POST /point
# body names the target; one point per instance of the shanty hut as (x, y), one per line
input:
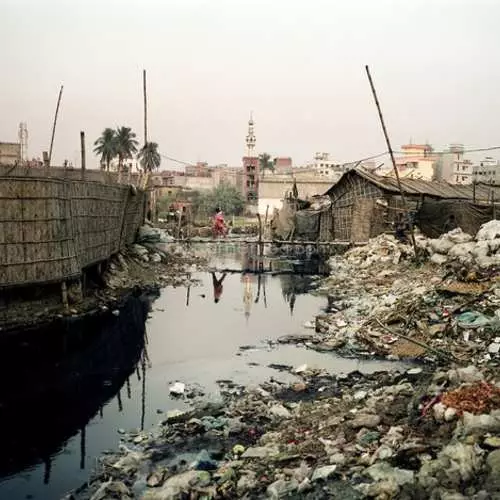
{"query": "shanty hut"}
(307, 220)
(365, 205)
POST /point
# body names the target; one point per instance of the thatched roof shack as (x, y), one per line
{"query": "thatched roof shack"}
(365, 204)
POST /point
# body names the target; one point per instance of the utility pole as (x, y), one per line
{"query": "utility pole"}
(54, 125)
(391, 153)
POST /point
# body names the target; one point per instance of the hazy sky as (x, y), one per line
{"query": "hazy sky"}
(299, 65)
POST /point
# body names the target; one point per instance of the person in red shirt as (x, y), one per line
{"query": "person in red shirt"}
(219, 227)
(217, 284)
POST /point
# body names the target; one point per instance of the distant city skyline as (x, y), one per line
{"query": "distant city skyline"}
(303, 77)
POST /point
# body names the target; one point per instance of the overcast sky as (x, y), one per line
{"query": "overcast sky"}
(298, 64)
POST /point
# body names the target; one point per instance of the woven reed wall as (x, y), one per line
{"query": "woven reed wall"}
(433, 214)
(347, 197)
(50, 229)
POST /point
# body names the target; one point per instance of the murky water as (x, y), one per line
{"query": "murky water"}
(63, 401)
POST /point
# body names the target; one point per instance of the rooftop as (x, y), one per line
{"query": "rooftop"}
(415, 187)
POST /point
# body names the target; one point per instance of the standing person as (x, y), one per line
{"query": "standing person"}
(219, 227)
(401, 226)
(217, 284)
(450, 224)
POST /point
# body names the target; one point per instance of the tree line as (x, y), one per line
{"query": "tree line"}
(121, 144)
(204, 203)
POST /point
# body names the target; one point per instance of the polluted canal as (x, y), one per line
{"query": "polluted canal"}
(68, 397)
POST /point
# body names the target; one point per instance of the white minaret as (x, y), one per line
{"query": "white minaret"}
(250, 139)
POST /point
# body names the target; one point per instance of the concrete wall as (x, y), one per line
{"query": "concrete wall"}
(10, 153)
(273, 190)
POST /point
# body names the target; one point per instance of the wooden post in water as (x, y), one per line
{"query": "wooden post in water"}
(261, 246)
(82, 146)
(119, 398)
(54, 126)
(64, 293)
(391, 153)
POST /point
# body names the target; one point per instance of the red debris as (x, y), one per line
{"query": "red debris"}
(478, 398)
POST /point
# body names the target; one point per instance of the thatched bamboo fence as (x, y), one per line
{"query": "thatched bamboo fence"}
(52, 228)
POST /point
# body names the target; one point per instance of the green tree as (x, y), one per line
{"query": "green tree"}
(106, 147)
(265, 162)
(149, 157)
(126, 145)
(225, 196)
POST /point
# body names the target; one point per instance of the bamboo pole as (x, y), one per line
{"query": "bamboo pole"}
(145, 106)
(438, 352)
(54, 125)
(82, 146)
(391, 153)
(268, 242)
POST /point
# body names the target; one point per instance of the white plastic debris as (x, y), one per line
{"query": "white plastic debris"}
(177, 389)
(489, 231)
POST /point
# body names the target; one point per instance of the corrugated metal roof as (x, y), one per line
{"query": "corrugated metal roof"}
(414, 187)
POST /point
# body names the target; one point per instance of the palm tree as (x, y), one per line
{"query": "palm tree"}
(126, 146)
(150, 160)
(266, 163)
(105, 146)
(149, 157)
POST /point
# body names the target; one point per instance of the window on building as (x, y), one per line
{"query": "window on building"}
(464, 178)
(458, 178)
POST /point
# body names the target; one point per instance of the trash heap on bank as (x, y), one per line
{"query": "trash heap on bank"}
(431, 431)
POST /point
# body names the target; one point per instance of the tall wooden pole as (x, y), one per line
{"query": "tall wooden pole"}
(145, 106)
(391, 153)
(82, 146)
(54, 124)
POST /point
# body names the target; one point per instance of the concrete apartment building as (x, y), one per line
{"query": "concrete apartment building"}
(453, 167)
(325, 167)
(418, 161)
(10, 153)
(487, 171)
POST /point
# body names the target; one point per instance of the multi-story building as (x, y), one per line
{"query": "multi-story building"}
(487, 171)
(10, 153)
(282, 164)
(251, 170)
(326, 167)
(418, 161)
(201, 169)
(453, 167)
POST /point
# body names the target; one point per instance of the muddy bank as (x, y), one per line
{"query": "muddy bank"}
(357, 436)
(146, 266)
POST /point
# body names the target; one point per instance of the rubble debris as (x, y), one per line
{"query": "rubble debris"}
(374, 446)
(427, 430)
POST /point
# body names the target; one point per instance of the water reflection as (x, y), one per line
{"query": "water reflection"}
(100, 369)
(60, 378)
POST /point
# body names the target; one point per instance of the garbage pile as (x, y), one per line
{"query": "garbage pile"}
(153, 260)
(382, 303)
(482, 251)
(385, 435)
(384, 249)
